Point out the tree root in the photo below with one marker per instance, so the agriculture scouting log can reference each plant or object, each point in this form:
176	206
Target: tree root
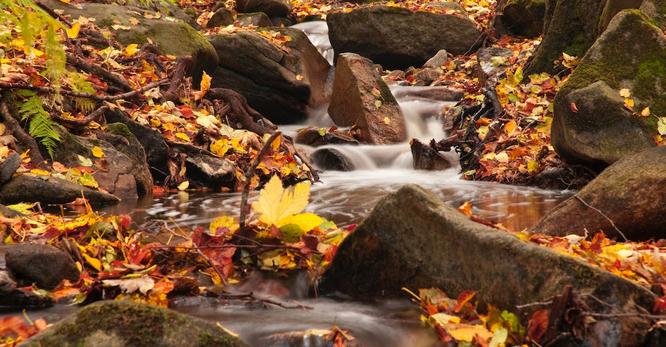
21	135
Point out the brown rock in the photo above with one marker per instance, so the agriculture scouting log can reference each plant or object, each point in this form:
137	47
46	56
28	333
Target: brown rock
360	97
315	137
631	193
427	158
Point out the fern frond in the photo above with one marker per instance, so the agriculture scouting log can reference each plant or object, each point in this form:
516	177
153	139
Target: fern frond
41	126
80	84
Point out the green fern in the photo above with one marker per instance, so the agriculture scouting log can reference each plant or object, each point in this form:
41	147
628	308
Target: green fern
80	84
41	126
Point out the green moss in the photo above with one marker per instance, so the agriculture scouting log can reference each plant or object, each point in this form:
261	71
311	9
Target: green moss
627	54
136	325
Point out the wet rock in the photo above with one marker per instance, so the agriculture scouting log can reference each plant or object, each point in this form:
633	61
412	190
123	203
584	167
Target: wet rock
591	125
154	145
272	8
360	97
437	93
439	59
570	27
123	171
280	83
315	137
221	18
427	158
204	169
44	265
313	337
397	38
13	299
9	166
258	19
125	141
8	212
427	75
631	193
522	17
171	36
411	239
282	22
50	190
331	159
123	323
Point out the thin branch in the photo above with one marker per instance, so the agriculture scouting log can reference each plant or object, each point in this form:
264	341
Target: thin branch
248	178
603	215
112	77
75	123
130	94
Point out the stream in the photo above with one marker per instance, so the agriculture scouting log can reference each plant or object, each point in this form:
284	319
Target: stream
345	198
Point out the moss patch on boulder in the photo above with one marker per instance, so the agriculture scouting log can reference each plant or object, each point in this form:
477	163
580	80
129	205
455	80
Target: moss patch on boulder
133	324
630	54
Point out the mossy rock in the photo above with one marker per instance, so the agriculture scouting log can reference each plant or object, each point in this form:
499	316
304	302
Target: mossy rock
655	9
612	8
570	26
630	54
172	36
523	17
122	323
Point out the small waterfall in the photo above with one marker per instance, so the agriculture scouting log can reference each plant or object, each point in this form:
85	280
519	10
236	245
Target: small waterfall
420	110
317	32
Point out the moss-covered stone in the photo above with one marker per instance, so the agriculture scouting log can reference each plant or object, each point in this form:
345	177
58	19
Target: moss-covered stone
631	54
570	26
656	10
132	324
173	37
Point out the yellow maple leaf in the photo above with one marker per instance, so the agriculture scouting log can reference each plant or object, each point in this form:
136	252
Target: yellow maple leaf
97	152
305	221
73	32
275	204
184	185
131	50
223	222
205	86
183	136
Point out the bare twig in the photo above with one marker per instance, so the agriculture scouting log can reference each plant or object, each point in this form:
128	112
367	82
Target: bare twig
74	123
603	215
248	179
109	76
127	95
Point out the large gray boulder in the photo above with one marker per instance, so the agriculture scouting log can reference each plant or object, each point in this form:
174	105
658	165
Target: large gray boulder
591	124
50	190
280	80
124	324
411	239
361	98
631	193
398	38
43	265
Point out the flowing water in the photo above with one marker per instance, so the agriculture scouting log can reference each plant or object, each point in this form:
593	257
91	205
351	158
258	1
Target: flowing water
345	198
